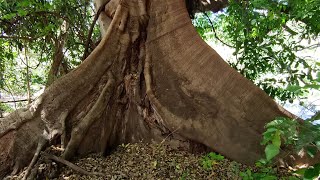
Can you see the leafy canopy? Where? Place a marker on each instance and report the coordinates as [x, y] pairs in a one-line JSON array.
[[31, 32]]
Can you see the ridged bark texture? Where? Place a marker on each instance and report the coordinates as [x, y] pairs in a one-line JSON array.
[[151, 76], [199, 93]]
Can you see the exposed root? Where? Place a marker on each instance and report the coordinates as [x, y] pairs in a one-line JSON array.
[[80, 131], [41, 144], [34, 171], [71, 165], [63, 125], [14, 121], [44, 139]]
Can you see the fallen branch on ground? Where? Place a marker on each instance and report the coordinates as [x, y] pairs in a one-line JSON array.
[[70, 164]]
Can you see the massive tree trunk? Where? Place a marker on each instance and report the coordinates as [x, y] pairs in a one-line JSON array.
[[150, 76]]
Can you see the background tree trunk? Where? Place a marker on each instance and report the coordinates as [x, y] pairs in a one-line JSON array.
[[58, 56], [151, 75]]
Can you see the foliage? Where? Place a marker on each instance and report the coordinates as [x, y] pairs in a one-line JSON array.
[[203, 26], [313, 85], [309, 173], [5, 108], [302, 136], [32, 30], [184, 175], [210, 159], [270, 40], [263, 174]]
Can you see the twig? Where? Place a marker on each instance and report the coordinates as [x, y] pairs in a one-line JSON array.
[[171, 133], [9, 90], [214, 31], [70, 164], [18, 37], [14, 101], [41, 144], [164, 140], [27, 64], [101, 8]]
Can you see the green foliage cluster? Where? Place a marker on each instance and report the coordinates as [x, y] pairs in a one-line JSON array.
[[210, 159], [265, 173], [285, 132], [32, 29], [269, 38], [302, 136], [4, 108]]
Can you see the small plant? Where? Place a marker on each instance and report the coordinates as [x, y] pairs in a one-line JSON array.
[[302, 136], [5, 109], [265, 172], [210, 159], [184, 175], [309, 173], [246, 175]]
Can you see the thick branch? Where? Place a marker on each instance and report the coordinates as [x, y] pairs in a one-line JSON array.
[[101, 8], [69, 164], [14, 121], [57, 58]]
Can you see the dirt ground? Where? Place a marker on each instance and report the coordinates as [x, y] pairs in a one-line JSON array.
[[140, 161]]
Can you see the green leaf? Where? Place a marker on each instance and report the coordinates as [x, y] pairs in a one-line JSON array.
[[311, 173], [268, 135], [22, 12], [9, 16], [293, 178], [268, 177], [293, 88], [24, 3], [300, 171], [276, 139], [318, 75], [271, 151], [314, 86], [312, 151], [215, 156], [261, 163]]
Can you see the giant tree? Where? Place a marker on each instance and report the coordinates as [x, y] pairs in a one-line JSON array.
[[150, 76]]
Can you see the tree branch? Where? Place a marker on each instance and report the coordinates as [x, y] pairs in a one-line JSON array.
[[214, 31], [14, 101], [69, 164], [41, 13], [101, 8], [19, 37]]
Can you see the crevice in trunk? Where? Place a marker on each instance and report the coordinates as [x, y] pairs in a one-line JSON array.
[[152, 79]]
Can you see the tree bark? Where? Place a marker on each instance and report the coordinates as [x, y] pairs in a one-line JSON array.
[[150, 75], [58, 56], [27, 75]]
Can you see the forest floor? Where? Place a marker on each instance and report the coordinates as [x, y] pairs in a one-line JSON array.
[[145, 161]]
